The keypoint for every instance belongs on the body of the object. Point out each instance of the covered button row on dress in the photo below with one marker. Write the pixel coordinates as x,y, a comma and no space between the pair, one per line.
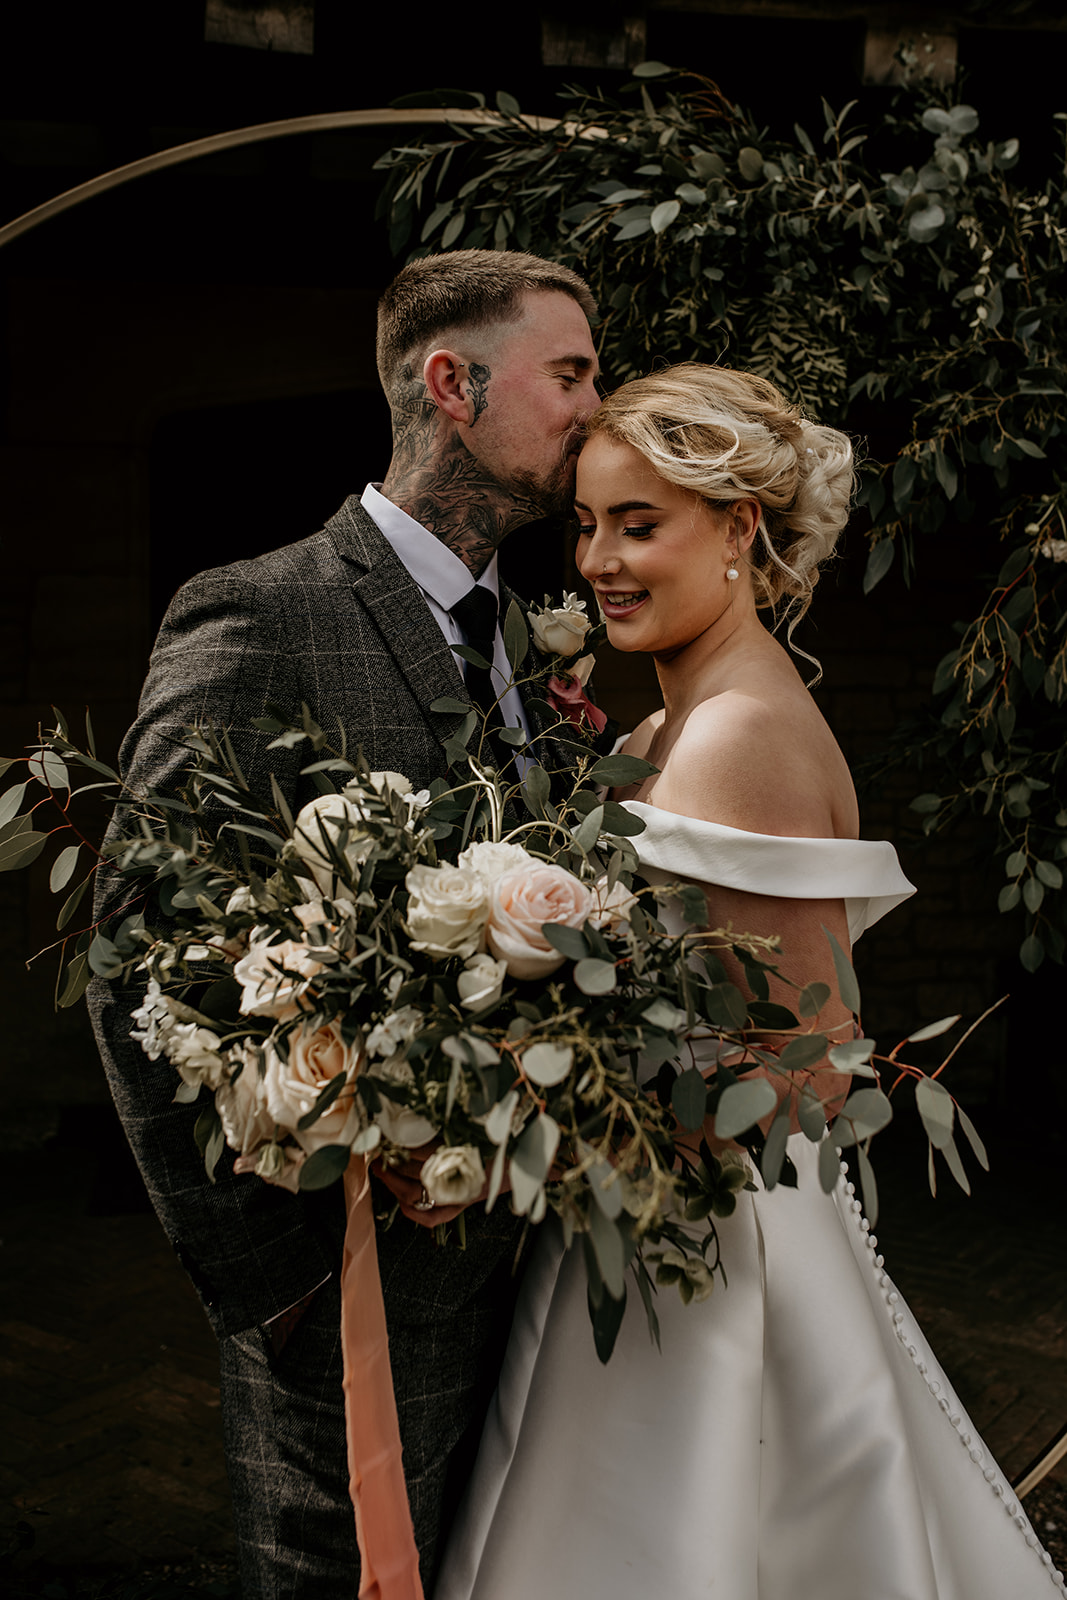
892,1299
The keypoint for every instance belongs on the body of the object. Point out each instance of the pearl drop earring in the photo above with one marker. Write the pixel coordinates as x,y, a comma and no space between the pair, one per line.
732,573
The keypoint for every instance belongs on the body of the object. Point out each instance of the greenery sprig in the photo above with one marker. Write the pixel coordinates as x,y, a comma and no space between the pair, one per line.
910,287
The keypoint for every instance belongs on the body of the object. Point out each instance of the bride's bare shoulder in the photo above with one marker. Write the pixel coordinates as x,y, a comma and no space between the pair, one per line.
764,763
637,743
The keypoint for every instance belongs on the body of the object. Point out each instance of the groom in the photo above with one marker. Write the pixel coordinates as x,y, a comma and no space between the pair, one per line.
488,366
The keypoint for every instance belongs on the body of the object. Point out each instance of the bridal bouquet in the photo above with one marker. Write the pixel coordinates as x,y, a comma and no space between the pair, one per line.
472,976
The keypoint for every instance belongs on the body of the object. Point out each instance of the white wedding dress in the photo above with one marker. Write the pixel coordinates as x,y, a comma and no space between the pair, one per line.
795,1439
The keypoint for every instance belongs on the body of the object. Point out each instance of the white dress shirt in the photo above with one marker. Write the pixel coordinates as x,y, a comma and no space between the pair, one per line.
443,579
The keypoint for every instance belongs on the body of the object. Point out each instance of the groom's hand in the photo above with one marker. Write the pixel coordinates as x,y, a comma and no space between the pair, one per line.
405,1182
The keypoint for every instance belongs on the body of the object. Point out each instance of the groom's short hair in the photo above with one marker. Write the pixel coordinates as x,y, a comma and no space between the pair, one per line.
462,289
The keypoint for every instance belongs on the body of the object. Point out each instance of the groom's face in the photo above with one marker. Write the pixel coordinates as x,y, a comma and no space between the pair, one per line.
533,383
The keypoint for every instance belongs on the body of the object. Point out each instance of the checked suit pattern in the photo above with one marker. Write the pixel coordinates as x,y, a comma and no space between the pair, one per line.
337,622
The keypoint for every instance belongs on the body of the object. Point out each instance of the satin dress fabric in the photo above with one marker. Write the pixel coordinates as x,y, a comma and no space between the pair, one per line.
795,1438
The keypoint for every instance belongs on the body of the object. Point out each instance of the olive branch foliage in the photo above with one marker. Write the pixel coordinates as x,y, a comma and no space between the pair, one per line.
909,287
541,1076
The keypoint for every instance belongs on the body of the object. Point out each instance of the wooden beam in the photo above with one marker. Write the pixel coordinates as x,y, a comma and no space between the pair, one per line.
284,25
584,44
936,52
915,17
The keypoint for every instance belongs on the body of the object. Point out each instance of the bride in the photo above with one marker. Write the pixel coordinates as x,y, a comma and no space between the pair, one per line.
796,1439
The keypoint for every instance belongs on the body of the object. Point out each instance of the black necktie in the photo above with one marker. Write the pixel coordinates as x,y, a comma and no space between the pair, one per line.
476,614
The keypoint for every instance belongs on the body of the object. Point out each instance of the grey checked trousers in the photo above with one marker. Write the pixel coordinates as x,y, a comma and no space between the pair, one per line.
448,1312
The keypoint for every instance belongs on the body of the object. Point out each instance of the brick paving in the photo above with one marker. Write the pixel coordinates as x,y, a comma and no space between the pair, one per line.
110,1443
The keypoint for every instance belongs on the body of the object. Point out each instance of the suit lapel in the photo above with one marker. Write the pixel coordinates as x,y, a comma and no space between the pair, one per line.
395,605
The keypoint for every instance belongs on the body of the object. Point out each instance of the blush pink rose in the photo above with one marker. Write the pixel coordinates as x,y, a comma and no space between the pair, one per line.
520,903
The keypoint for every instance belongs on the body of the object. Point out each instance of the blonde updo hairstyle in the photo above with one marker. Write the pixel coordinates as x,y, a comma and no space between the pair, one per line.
729,436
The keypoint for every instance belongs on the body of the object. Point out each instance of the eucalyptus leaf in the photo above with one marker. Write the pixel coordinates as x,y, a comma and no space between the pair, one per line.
610,1252
853,1055
615,772
936,1109
570,942
812,998
689,1098
865,1112
324,1166
516,636
742,1105
531,1160
973,1138
595,977
868,1185
803,1052
11,800
933,1030
879,561
63,867
774,1147
547,1064
847,986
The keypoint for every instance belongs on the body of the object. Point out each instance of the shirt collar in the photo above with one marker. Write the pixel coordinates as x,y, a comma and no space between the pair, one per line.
436,569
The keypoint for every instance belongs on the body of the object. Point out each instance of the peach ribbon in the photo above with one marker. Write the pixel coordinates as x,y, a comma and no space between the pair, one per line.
389,1557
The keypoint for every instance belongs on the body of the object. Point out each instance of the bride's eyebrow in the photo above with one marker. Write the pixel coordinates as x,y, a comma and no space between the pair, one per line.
623,506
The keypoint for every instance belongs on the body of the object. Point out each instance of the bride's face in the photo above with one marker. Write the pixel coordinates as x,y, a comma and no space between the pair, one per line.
655,554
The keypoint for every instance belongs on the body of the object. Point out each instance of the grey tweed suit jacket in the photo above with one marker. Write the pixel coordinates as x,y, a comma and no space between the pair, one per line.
336,621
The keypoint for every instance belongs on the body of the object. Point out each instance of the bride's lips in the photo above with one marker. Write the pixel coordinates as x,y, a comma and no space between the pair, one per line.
621,603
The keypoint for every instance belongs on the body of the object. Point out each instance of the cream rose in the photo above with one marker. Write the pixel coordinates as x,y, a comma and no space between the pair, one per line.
453,1175
325,818
274,976
380,783
292,1087
446,910
491,861
559,630
520,903
399,1123
481,981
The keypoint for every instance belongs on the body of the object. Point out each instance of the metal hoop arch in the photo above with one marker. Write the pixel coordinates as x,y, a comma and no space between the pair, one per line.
175,155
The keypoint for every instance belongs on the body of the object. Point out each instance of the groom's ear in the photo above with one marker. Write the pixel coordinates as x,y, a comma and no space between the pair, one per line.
445,376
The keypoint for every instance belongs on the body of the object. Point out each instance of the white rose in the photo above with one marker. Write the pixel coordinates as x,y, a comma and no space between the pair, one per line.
197,1054
481,981
291,1088
521,902
325,818
446,910
491,861
242,1103
559,630
399,1123
453,1175
381,783
274,976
